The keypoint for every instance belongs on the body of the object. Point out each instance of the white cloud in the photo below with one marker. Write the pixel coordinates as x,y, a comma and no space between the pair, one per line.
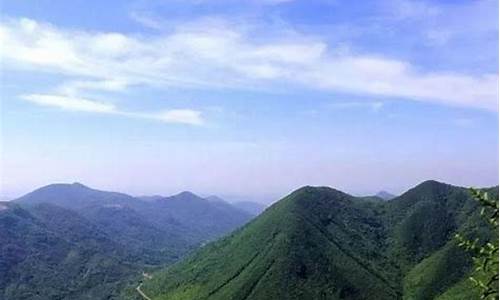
375,106
185,116
443,22
67,103
74,87
147,20
180,116
215,54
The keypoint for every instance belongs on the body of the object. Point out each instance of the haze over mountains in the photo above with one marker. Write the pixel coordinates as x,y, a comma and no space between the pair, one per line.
68,241
71,241
385,195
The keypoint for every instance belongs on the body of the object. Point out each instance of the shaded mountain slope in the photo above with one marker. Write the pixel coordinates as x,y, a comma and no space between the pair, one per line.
203,220
157,245
55,254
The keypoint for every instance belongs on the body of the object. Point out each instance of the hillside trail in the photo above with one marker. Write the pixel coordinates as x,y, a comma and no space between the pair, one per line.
138,288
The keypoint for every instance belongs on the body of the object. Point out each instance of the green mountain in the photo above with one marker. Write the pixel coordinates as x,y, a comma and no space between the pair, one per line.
320,243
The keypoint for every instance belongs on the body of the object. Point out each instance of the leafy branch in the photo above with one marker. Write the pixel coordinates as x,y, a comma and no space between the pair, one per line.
484,255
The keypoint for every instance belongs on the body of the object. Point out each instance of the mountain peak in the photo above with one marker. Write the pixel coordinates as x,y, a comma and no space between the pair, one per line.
79,185
316,193
431,183
430,186
72,195
186,195
277,248
385,195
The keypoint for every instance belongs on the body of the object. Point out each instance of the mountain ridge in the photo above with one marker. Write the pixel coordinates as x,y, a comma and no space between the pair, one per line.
321,243
124,234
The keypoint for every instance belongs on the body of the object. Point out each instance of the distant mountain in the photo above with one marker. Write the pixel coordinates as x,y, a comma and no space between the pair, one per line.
252,208
150,198
185,216
205,220
68,241
320,243
74,196
119,214
385,195
215,199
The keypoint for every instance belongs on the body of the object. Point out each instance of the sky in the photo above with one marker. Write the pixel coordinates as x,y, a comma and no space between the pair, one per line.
248,99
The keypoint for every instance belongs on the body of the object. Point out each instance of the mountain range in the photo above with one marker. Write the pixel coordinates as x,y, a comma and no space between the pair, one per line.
68,241
321,243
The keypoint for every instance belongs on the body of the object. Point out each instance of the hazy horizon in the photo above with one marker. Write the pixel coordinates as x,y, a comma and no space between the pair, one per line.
248,100
263,199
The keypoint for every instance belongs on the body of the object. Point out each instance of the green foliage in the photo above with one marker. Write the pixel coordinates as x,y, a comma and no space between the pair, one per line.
485,255
295,250
436,273
319,243
462,290
316,243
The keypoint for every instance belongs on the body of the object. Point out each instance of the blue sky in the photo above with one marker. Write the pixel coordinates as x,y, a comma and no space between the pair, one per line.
248,99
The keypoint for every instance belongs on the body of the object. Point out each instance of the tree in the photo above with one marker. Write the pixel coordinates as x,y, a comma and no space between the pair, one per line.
484,254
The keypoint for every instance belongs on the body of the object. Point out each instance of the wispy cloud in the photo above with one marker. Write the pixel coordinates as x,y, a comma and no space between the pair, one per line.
375,106
180,116
147,20
442,23
67,103
218,54
186,116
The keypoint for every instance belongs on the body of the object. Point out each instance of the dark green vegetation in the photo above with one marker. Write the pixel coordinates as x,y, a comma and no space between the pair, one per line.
53,253
67,241
320,243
